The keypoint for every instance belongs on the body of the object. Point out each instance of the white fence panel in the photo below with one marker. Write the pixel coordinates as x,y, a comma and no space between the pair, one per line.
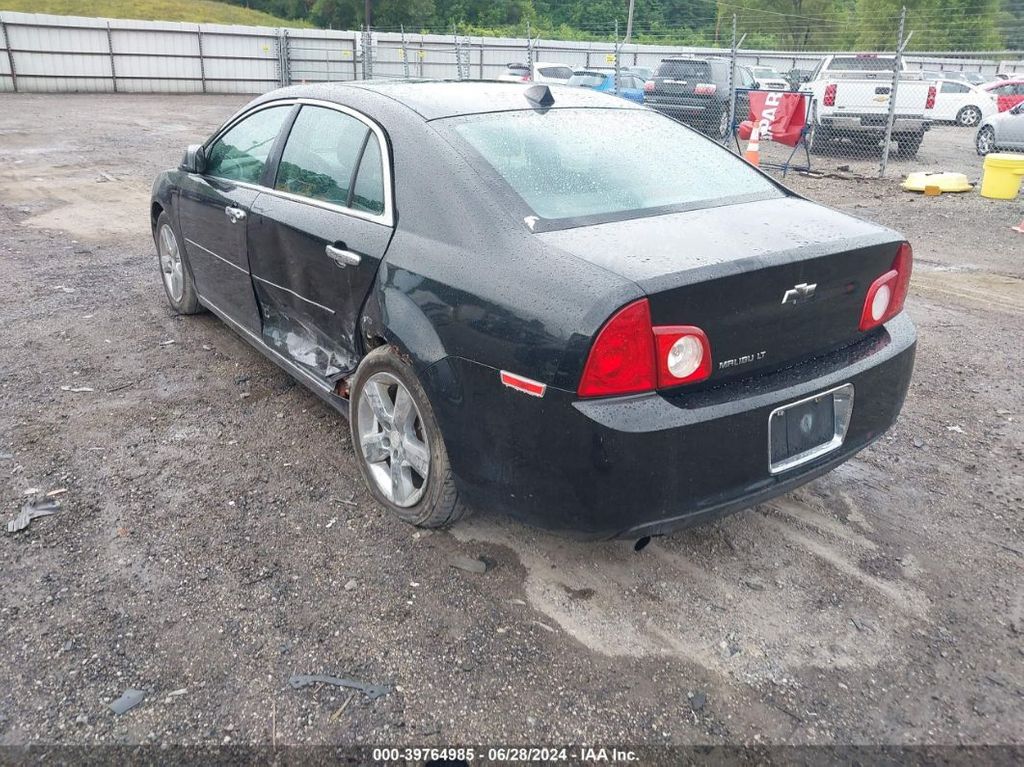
44,53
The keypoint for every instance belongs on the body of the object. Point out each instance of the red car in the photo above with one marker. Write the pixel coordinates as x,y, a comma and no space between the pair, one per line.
1008,93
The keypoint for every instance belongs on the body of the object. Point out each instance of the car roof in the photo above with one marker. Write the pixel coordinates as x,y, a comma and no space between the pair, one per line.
435,99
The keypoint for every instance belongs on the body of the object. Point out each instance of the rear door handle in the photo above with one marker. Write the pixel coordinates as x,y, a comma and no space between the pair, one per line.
234,214
343,257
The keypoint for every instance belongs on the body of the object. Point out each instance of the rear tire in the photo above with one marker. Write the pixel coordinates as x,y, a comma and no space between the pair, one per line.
907,145
175,274
398,444
968,117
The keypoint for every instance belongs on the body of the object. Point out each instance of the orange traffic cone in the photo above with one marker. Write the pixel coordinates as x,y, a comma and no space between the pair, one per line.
753,153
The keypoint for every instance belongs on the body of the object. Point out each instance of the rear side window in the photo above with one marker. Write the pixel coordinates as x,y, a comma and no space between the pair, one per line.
320,158
562,73
587,79
580,163
948,87
862,64
241,153
684,70
368,193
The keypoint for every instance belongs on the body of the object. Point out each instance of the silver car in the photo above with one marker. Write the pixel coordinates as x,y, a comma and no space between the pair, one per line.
1002,131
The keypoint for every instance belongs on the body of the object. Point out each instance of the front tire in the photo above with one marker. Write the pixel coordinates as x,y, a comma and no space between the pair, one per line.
968,117
175,274
398,444
985,141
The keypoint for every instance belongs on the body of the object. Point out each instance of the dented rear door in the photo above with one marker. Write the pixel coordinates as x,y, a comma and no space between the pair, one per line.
317,239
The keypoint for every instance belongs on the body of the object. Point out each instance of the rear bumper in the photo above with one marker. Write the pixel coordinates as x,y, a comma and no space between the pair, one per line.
644,465
875,124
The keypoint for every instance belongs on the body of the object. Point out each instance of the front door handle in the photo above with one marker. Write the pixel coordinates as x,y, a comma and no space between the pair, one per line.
343,257
234,214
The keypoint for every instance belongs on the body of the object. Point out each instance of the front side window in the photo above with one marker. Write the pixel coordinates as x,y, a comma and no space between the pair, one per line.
578,163
241,153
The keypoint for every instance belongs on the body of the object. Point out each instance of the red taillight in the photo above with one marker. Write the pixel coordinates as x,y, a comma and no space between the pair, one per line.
630,355
683,353
887,294
649,86
621,360
526,78
829,99
704,89
930,101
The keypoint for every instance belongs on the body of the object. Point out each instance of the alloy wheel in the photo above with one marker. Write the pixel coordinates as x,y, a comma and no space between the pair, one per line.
171,268
723,125
970,116
392,439
985,141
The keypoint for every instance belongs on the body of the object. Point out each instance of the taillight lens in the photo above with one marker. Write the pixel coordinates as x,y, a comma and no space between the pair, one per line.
829,99
930,101
621,360
684,355
649,86
630,355
705,89
526,78
887,294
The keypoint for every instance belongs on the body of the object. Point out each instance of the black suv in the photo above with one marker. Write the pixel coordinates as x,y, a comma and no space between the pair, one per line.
696,91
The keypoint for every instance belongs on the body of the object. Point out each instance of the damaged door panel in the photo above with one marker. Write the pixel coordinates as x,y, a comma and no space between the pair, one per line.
317,238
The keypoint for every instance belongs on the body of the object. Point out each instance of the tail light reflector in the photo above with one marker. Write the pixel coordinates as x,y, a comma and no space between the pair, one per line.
630,355
649,86
887,294
829,99
704,89
929,103
684,355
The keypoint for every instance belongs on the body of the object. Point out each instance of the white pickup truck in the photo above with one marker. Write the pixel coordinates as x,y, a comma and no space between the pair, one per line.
851,101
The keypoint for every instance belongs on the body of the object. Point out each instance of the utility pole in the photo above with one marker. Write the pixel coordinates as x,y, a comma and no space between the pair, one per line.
629,22
367,13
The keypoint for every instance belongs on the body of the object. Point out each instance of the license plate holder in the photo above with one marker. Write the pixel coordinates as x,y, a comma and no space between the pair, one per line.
801,431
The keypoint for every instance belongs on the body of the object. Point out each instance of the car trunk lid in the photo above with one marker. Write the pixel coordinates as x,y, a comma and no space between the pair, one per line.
771,283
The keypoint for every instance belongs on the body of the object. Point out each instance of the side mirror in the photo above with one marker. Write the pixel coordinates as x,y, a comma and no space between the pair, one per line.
194,160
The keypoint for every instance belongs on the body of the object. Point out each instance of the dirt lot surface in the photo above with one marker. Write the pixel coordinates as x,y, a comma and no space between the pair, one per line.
215,538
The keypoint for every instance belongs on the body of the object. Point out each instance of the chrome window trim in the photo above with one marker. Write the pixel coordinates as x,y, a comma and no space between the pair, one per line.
842,399
387,218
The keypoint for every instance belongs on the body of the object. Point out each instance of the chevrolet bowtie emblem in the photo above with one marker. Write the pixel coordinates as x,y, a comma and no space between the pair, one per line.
799,293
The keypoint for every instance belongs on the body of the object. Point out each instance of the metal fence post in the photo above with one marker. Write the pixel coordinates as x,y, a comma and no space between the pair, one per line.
367,54
110,47
732,82
405,55
618,53
283,58
202,62
891,119
10,54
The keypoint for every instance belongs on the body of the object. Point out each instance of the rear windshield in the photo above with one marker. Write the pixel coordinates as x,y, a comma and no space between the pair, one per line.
682,70
862,64
587,79
608,163
561,73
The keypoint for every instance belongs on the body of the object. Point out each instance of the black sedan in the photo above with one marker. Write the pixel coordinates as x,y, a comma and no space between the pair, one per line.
518,310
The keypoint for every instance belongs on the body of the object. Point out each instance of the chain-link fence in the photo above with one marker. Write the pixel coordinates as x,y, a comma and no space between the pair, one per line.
825,107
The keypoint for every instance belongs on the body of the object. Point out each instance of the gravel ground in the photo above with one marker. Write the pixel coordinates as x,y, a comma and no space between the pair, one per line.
214,537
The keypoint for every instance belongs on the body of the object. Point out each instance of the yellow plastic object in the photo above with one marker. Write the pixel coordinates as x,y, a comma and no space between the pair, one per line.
1002,177
946,182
